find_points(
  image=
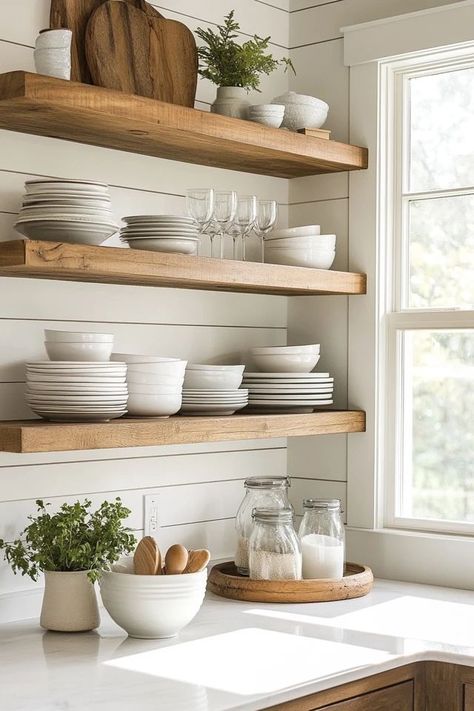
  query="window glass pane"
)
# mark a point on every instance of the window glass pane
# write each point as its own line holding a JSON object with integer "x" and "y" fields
{"x": 438, "y": 438}
{"x": 441, "y": 130}
{"x": 441, "y": 252}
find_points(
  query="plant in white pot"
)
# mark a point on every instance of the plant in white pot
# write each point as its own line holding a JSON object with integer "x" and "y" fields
{"x": 71, "y": 547}
{"x": 234, "y": 68}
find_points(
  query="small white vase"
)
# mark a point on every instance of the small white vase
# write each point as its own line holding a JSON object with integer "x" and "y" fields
{"x": 231, "y": 101}
{"x": 69, "y": 602}
{"x": 53, "y": 53}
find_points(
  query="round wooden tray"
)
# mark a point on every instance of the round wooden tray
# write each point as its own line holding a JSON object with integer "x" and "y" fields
{"x": 224, "y": 580}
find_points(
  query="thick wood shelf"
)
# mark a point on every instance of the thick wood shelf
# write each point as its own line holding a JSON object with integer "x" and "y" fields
{"x": 77, "y": 262}
{"x": 42, "y": 436}
{"x": 45, "y": 106}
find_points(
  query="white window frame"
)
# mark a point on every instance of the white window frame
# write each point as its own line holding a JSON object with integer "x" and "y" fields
{"x": 370, "y": 50}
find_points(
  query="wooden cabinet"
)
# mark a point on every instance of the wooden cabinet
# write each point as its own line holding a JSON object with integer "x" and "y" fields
{"x": 468, "y": 697}
{"x": 393, "y": 698}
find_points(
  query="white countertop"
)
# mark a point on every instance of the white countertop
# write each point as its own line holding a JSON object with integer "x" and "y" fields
{"x": 235, "y": 655}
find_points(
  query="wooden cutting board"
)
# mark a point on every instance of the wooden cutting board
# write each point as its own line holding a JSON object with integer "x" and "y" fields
{"x": 74, "y": 15}
{"x": 131, "y": 51}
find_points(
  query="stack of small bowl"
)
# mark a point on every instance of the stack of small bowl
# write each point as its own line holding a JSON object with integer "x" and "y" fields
{"x": 66, "y": 211}
{"x": 267, "y": 114}
{"x": 213, "y": 390}
{"x": 161, "y": 233}
{"x": 301, "y": 247}
{"x": 155, "y": 384}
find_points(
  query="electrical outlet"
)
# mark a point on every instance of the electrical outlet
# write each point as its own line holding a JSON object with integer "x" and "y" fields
{"x": 151, "y": 514}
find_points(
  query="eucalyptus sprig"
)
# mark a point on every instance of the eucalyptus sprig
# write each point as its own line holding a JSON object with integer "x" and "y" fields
{"x": 72, "y": 539}
{"x": 226, "y": 63}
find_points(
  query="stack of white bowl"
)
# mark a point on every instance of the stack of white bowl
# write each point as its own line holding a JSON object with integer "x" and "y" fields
{"x": 161, "y": 233}
{"x": 155, "y": 384}
{"x": 267, "y": 114}
{"x": 213, "y": 390}
{"x": 285, "y": 382}
{"x": 301, "y": 247}
{"x": 78, "y": 345}
{"x": 302, "y": 111}
{"x": 66, "y": 211}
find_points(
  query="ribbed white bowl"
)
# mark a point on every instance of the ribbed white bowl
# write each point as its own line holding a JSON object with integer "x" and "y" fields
{"x": 289, "y": 363}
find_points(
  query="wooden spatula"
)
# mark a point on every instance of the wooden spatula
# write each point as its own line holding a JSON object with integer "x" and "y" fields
{"x": 74, "y": 15}
{"x": 130, "y": 51}
{"x": 147, "y": 557}
{"x": 197, "y": 560}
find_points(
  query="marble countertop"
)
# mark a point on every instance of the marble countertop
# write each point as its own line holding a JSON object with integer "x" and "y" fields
{"x": 234, "y": 655}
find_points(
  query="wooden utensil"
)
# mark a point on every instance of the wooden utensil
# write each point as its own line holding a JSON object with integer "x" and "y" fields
{"x": 147, "y": 557}
{"x": 131, "y": 51}
{"x": 197, "y": 561}
{"x": 74, "y": 15}
{"x": 176, "y": 559}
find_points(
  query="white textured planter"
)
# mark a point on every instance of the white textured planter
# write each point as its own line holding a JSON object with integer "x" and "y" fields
{"x": 69, "y": 603}
{"x": 231, "y": 101}
{"x": 53, "y": 53}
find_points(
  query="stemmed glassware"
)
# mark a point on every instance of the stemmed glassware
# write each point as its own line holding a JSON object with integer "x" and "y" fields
{"x": 267, "y": 213}
{"x": 245, "y": 220}
{"x": 225, "y": 206}
{"x": 200, "y": 206}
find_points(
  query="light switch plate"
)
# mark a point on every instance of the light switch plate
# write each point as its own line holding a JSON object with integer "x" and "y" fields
{"x": 151, "y": 514}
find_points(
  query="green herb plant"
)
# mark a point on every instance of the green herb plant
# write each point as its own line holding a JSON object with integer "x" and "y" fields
{"x": 72, "y": 539}
{"x": 226, "y": 63}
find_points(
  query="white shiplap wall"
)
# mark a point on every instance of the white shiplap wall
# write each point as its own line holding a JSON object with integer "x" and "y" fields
{"x": 198, "y": 487}
{"x": 317, "y": 51}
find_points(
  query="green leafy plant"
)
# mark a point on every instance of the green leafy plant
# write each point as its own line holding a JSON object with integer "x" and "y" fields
{"x": 72, "y": 539}
{"x": 227, "y": 63}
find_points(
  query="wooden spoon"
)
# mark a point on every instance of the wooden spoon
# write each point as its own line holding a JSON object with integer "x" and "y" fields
{"x": 147, "y": 557}
{"x": 197, "y": 561}
{"x": 176, "y": 559}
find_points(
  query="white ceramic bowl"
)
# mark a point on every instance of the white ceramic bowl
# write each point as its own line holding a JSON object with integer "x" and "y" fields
{"x": 171, "y": 246}
{"x": 153, "y": 606}
{"x": 302, "y": 231}
{"x": 283, "y": 350}
{"x": 77, "y": 336}
{"x": 286, "y": 363}
{"x": 324, "y": 242}
{"x": 78, "y": 351}
{"x": 216, "y": 368}
{"x": 302, "y": 111}
{"x": 67, "y": 231}
{"x": 270, "y": 121}
{"x": 134, "y": 378}
{"x": 136, "y": 389}
{"x": 158, "y": 405}
{"x": 214, "y": 379}
{"x": 139, "y": 358}
{"x": 175, "y": 370}
{"x": 300, "y": 257}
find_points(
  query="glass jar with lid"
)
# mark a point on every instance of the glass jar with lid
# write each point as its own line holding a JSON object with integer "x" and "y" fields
{"x": 263, "y": 492}
{"x": 322, "y": 539}
{"x": 274, "y": 548}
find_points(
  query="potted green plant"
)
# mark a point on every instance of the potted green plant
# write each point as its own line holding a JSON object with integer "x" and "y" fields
{"x": 71, "y": 547}
{"x": 235, "y": 68}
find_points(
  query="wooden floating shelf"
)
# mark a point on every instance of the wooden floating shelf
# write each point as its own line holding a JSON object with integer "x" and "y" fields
{"x": 77, "y": 262}
{"x": 44, "y": 106}
{"x": 41, "y": 436}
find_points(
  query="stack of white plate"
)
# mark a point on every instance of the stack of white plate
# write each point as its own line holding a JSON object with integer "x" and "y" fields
{"x": 161, "y": 233}
{"x": 289, "y": 392}
{"x": 155, "y": 384}
{"x": 301, "y": 247}
{"x": 66, "y": 211}
{"x": 77, "y": 391}
{"x": 213, "y": 390}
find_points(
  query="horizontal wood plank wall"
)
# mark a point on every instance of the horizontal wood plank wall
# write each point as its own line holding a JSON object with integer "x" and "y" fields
{"x": 198, "y": 486}
{"x": 317, "y": 51}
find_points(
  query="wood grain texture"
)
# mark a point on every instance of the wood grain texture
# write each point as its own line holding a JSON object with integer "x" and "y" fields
{"x": 45, "y": 106}
{"x": 225, "y": 581}
{"x": 74, "y": 15}
{"x": 147, "y": 557}
{"x": 197, "y": 561}
{"x": 41, "y": 436}
{"x": 468, "y": 697}
{"x": 449, "y": 687}
{"x": 130, "y": 51}
{"x": 52, "y": 260}
{"x": 392, "y": 698}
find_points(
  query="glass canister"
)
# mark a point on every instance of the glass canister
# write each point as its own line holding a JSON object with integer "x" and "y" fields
{"x": 274, "y": 548}
{"x": 260, "y": 492}
{"x": 322, "y": 539}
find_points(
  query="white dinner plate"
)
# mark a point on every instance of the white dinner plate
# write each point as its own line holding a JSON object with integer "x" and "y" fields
{"x": 291, "y": 403}
{"x": 196, "y": 407}
{"x": 291, "y": 387}
{"x": 287, "y": 376}
{"x": 286, "y": 398}
{"x": 79, "y": 417}
{"x": 72, "y": 364}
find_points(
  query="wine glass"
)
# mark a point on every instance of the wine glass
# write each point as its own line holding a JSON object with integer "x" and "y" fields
{"x": 200, "y": 206}
{"x": 267, "y": 213}
{"x": 225, "y": 205}
{"x": 245, "y": 218}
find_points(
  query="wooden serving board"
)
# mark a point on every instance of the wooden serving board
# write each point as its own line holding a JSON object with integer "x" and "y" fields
{"x": 224, "y": 580}
{"x": 131, "y": 51}
{"x": 74, "y": 15}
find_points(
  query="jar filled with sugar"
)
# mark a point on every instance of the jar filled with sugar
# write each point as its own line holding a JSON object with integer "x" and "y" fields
{"x": 322, "y": 539}
{"x": 274, "y": 548}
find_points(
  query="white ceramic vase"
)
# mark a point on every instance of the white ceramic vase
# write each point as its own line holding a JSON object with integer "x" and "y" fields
{"x": 53, "y": 53}
{"x": 69, "y": 602}
{"x": 231, "y": 101}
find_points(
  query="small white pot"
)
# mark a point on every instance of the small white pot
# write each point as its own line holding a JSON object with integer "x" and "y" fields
{"x": 231, "y": 101}
{"x": 53, "y": 53}
{"x": 69, "y": 602}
